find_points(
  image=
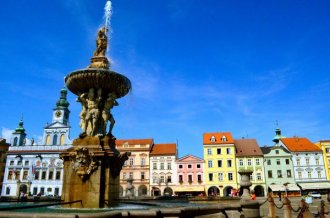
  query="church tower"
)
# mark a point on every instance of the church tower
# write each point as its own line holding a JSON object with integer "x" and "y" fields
{"x": 57, "y": 133}
{"x": 18, "y": 138}
{"x": 61, "y": 111}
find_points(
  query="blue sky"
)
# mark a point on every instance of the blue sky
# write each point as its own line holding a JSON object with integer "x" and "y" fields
{"x": 195, "y": 66}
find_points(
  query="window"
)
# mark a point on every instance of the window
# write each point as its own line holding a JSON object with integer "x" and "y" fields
{"x": 169, "y": 179}
{"x": 270, "y": 174}
{"x": 143, "y": 161}
{"x": 50, "y": 175}
{"x": 57, "y": 192}
{"x": 228, "y": 150}
{"x": 287, "y": 161}
{"x": 131, "y": 161}
{"x": 19, "y": 163}
{"x": 278, "y": 162}
{"x": 25, "y": 174}
{"x": 212, "y": 139}
{"x": 11, "y": 163}
{"x": 189, "y": 166}
{"x": 42, "y": 190}
{"x": 258, "y": 176}
{"x": 288, "y": 173}
{"x": 218, "y": 150}
{"x": 299, "y": 175}
{"x": 307, "y": 161}
{"x": 154, "y": 179}
{"x": 317, "y": 161}
{"x": 15, "y": 141}
{"x": 36, "y": 175}
{"x": 209, "y": 151}
{"x": 10, "y": 174}
{"x": 154, "y": 166}
{"x": 162, "y": 179}
{"x": 198, "y": 166}
{"x": 277, "y": 151}
{"x": 210, "y": 177}
{"x": 220, "y": 176}
{"x": 269, "y": 162}
{"x": 279, "y": 173}
{"x": 55, "y": 139}
{"x": 229, "y": 163}
{"x": 319, "y": 175}
{"x": 131, "y": 175}
{"x": 18, "y": 174}
{"x": 219, "y": 163}
{"x": 230, "y": 176}
{"x": 241, "y": 163}
{"x": 8, "y": 190}
{"x": 223, "y": 138}
{"x": 58, "y": 175}
{"x": 43, "y": 175}
{"x": 298, "y": 162}
{"x": 309, "y": 174}
{"x": 190, "y": 179}
{"x": 169, "y": 166}
{"x": 209, "y": 163}
{"x": 180, "y": 166}
{"x": 35, "y": 191}
{"x": 257, "y": 161}
{"x": 142, "y": 176}
{"x": 180, "y": 178}
{"x": 161, "y": 166}
{"x": 124, "y": 176}
{"x": 249, "y": 162}
{"x": 327, "y": 150}
{"x": 199, "y": 178}
{"x": 26, "y": 163}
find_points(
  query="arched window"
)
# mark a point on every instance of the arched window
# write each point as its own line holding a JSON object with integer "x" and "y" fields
{"x": 48, "y": 139}
{"x": 15, "y": 141}
{"x": 62, "y": 139}
{"x": 55, "y": 139}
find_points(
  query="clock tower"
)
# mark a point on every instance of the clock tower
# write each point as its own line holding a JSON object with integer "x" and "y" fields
{"x": 61, "y": 111}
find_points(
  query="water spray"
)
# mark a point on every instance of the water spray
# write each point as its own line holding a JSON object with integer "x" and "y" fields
{"x": 107, "y": 16}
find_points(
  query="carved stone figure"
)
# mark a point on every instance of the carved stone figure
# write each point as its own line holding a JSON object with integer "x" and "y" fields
{"x": 83, "y": 162}
{"x": 106, "y": 113}
{"x": 90, "y": 112}
{"x": 101, "y": 43}
{"x": 82, "y": 115}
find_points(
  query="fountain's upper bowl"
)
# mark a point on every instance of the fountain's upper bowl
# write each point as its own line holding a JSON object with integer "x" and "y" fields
{"x": 81, "y": 81}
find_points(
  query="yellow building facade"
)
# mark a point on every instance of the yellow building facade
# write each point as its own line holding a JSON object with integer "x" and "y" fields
{"x": 325, "y": 146}
{"x": 220, "y": 163}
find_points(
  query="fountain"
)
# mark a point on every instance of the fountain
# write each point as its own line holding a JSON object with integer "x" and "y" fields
{"x": 93, "y": 164}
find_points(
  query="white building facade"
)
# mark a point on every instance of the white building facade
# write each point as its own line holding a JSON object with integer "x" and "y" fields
{"x": 163, "y": 171}
{"x": 37, "y": 169}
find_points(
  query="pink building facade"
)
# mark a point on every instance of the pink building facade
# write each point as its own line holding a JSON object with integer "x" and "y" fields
{"x": 190, "y": 176}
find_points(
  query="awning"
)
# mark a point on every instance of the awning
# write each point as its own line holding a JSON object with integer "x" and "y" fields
{"x": 314, "y": 185}
{"x": 288, "y": 187}
{"x": 189, "y": 189}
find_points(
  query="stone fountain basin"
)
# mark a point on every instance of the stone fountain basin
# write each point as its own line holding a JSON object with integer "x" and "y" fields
{"x": 80, "y": 81}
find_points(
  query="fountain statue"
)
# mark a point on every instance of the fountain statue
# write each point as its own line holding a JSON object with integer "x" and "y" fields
{"x": 93, "y": 164}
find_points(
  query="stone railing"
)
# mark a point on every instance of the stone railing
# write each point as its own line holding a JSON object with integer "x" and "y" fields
{"x": 39, "y": 147}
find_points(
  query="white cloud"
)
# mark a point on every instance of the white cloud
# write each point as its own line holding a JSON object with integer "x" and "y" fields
{"x": 6, "y": 133}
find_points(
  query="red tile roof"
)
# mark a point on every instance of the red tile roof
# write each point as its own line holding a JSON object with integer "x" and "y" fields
{"x": 218, "y": 138}
{"x": 247, "y": 147}
{"x": 299, "y": 144}
{"x": 135, "y": 141}
{"x": 163, "y": 149}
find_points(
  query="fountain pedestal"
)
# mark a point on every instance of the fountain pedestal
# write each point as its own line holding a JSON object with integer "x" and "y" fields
{"x": 92, "y": 168}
